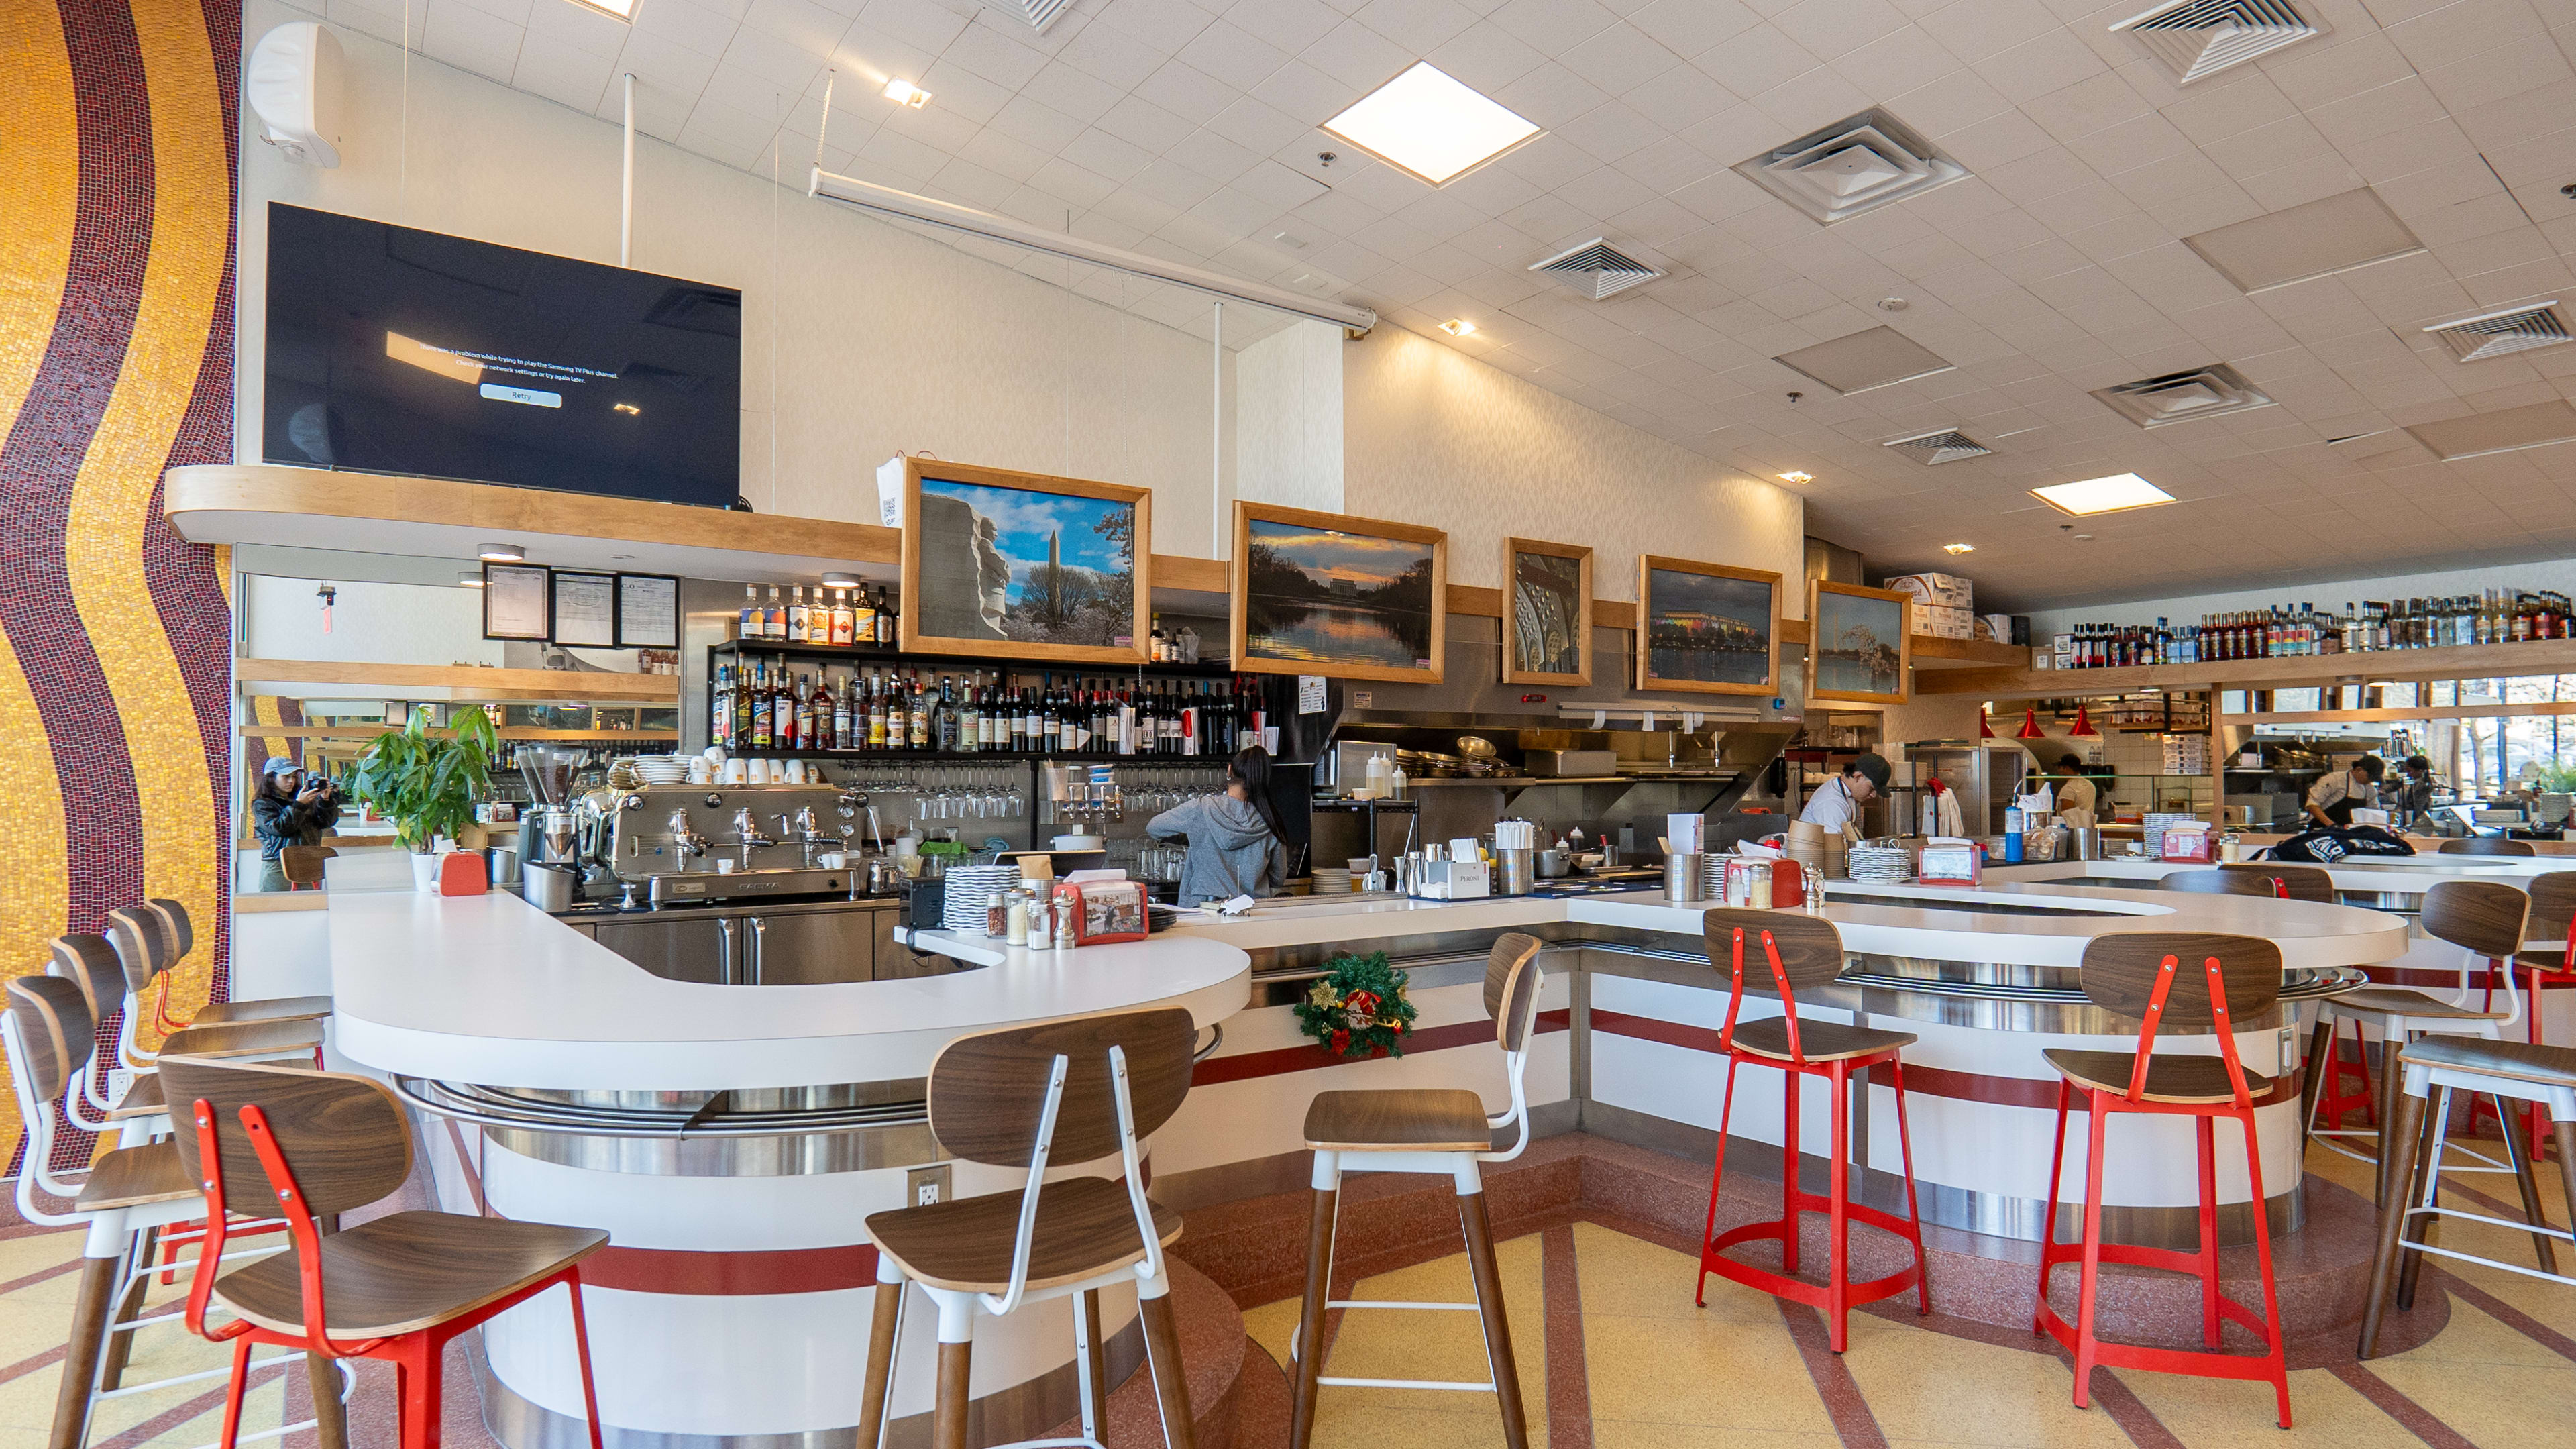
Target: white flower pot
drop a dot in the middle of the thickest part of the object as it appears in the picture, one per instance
(424, 871)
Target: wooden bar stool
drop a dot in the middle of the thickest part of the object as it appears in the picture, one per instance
(49, 1037)
(2194, 982)
(2487, 845)
(2553, 919)
(2524, 1071)
(1805, 952)
(2485, 919)
(1443, 1132)
(2256, 878)
(154, 938)
(2321, 1088)
(395, 1288)
(1070, 1091)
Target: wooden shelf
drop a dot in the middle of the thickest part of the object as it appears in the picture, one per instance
(2404, 716)
(452, 682)
(2471, 661)
(510, 732)
(875, 655)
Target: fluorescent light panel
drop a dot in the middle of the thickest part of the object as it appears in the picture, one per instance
(622, 9)
(2102, 495)
(1431, 126)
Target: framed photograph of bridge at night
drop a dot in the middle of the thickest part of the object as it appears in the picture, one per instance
(1859, 644)
(1547, 612)
(1329, 594)
(1024, 565)
(1707, 628)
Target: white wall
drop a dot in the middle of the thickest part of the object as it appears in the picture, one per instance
(2558, 575)
(883, 340)
(1288, 418)
(370, 623)
(1433, 436)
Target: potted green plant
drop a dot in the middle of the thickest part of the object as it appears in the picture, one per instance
(427, 781)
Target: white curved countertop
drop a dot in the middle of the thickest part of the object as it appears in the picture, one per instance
(2308, 934)
(2391, 874)
(488, 989)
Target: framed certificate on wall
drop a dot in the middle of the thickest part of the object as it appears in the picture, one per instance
(648, 611)
(585, 610)
(516, 598)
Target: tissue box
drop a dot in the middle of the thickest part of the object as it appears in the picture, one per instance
(1943, 623)
(1961, 865)
(1939, 591)
(2186, 840)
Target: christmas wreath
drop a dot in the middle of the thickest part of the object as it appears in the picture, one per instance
(1359, 1008)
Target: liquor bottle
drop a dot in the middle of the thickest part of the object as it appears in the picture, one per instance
(740, 700)
(846, 716)
(773, 619)
(876, 714)
(797, 626)
(1157, 648)
(898, 714)
(720, 706)
(970, 715)
(885, 619)
(863, 619)
(763, 724)
(753, 624)
(844, 618)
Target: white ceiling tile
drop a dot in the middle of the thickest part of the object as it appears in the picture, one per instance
(1620, 57)
(1976, 29)
(1829, 28)
(987, 51)
(1140, 122)
(1116, 57)
(1356, 55)
(1419, 26)
(1291, 25)
(1554, 26)
(1036, 126)
(1232, 55)
(1098, 151)
(470, 39)
(924, 23)
(562, 73)
(1211, 155)
(1691, 28)
(1900, 61)
(2497, 74)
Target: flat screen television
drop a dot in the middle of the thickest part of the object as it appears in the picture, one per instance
(399, 351)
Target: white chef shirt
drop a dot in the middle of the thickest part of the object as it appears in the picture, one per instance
(2338, 786)
(2076, 794)
(1831, 807)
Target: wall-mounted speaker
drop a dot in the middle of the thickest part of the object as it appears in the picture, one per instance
(293, 86)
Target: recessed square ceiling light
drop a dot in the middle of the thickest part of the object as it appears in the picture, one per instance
(1797, 477)
(1430, 126)
(905, 93)
(2301, 243)
(622, 9)
(1459, 327)
(2102, 495)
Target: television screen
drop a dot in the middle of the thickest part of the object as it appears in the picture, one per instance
(399, 351)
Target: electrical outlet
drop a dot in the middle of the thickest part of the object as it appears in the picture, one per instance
(120, 1080)
(2289, 1050)
(923, 1186)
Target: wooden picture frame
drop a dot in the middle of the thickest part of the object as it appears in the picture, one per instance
(958, 616)
(577, 628)
(1721, 609)
(1525, 630)
(1299, 545)
(525, 596)
(1865, 609)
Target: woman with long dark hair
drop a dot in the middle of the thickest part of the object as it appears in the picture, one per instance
(1236, 847)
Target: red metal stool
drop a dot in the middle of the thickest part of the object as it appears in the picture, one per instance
(1805, 951)
(2553, 918)
(2238, 978)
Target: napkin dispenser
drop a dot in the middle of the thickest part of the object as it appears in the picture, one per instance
(1454, 880)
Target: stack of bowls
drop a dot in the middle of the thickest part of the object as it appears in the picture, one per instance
(1332, 880)
(662, 769)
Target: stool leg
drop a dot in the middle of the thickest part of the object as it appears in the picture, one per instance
(2424, 1190)
(1913, 1213)
(1090, 1363)
(2263, 1256)
(236, 1388)
(2084, 1344)
(421, 1375)
(2048, 1222)
(330, 1416)
(948, 1412)
(885, 1328)
(2322, 1068)
(1716, 1182)
(2391, 1087)
(1163, 1357)
(1310, 1322)
(2206, 1133)
(129, 1305)
(2565, 1132)
(2361, 1064)
(1838, 1218)
(1489, 1304)
(2520, 1153)
(2403, 1132)
(81, 1356)
(581, 1355)
(1789, 1190)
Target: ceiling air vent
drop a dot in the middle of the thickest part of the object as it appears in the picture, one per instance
(1949, 445)
(1854, 165)
(1597, 269)
(2182, 397)
(2196, 39)
(2493, 334)
(1036, 14)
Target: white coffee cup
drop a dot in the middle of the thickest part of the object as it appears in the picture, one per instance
(735, 772)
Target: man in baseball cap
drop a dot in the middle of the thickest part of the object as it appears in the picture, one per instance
(1836, 804)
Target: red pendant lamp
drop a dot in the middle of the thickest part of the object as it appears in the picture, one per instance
(2084, 725)
(1985, 725)
(2030, 729)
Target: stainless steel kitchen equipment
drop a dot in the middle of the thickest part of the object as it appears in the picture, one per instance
(1547, 762)
(1981, 772)
(776, 943)
(692, 830)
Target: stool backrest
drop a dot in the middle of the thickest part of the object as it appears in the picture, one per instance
(174, 919)
(302, 864)
(2297, 882)
(2485, 916)
(1078, 1089)
(2126, 973)
(2487, 845)
(2553, 909)
(345, 1136)
(1512, 980)
(136, 935)
(90, 963)
(2219, 882)
(56, 1033)
(1810, 948)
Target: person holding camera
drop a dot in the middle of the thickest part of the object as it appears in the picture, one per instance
(289, 808)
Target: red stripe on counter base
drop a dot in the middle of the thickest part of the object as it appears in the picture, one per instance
(733, 1274)
(1248, 1065)
(2039, 1092)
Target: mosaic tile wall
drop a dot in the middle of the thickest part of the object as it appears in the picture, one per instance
(117, 178)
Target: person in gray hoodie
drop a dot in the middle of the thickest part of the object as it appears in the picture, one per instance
(1236, 848)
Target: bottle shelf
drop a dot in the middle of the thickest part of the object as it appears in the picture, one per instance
(884, 655)
(995, 758)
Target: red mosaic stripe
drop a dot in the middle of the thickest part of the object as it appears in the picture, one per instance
(731, 1274)
(1314, 1057)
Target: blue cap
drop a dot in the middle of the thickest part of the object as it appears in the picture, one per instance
(279, 765)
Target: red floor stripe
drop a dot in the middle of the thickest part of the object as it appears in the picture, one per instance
(1569, 1383)
(1845, 1404)
(1312, 1056)
(26, 1366)
(2418, 1420)
(40, 1275)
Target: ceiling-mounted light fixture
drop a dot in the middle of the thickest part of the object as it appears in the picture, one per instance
(501, 553)
(1795, 477)
(469, 578)
(1958, 548)
(905, 93)
(2102, 495)
(840, 581)
(622, 9)
(2083, 724)
(1459, 327)
(1985, 725)
(2030, 729)
(1431, 126)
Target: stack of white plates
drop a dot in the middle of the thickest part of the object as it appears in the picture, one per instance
(662, 769)
(964, 904)
(2155, 823)
(1712, 875)
(1881, 864)
(1332, 880)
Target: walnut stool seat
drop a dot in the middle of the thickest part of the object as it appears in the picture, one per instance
(2529, 1072)
(405, 1272)
(1446, 1133)
(274, 1008)
(1069, 1092)
(1818, 1041)
(2169, 1078)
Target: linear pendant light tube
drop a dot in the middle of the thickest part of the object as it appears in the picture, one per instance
(904, 205)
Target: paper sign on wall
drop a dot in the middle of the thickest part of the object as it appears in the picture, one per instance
(890, 491)
(1310, 694)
